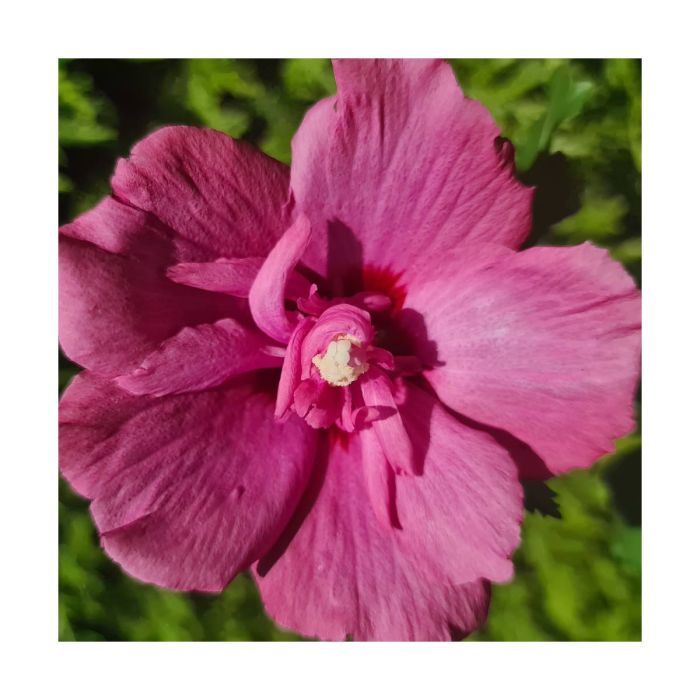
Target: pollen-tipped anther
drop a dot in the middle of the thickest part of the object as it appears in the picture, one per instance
(343, 362)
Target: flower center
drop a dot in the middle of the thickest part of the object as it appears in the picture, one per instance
(343, 362)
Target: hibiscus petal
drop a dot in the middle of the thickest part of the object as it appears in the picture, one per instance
(399, 168)
(223, 195)
(186, 490)
(119, 228)
(319, 403)
(463, 512)
(116, 307)
(201, 357)
(380, 477)
(340, 571)
(465, 509)
(543, 344)
(234, 276)
(268, 290)
(377, 392)
(291, 367)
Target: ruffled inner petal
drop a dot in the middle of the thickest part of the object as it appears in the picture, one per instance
(232, 276)
(389, 428)
(202, 357)
(268, 290)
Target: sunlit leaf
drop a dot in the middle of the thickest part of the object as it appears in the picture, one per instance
(598, 219)
(308, 79)
(627, 548)
(566, 98)
(84, 118)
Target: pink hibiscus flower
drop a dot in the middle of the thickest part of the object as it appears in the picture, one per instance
(336, 375)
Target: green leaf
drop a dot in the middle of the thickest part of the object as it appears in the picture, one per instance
(598, 219)
(566, 98)
(217, 91)
(567, 95)
(570, 579)
(629, 252)
(64, 184)
(635, 131)
(308, 79)
(627, 548)
(84, 118)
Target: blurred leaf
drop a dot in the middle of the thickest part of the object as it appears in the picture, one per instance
(635, 131)
(599, 218)
(628, 252)
(217, 90)
(73, 132)
(627, 548)
(308, 79)
(64, 184)
(567, 97)
(282, 118)
(568, 584)
(624, 73)
(84, 118)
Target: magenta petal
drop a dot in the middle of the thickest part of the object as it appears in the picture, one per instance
(402, 167)
(465, 509)
(268, 290)
(379, 475)
(543, 344)
(119, 228)
(462, 514)
(306, 394)
(291, 367)
(115, 303)
(185, 196)
(377, 392)
(222, 195)
(186, 490)
(346, 421)
(341, 571)
(201, 357)
(319, 403)
(232, 276)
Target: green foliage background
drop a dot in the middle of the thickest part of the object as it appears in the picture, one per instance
(576, 126)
